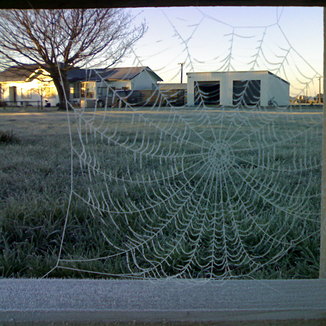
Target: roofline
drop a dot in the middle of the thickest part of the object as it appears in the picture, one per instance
(148, 69)
(29, 69)
(240, 71)
(153, 72)
(285, 81)
(144, 68)
(32, 71)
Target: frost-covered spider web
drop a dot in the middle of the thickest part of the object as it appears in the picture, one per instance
(205, 191)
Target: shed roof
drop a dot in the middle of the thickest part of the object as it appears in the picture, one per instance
(240, 72)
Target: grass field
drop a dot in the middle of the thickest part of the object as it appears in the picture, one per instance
(35, 169)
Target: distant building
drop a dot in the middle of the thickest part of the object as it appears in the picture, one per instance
(26, 85)
(171, 86)
(176, 93)
(237, 88)
(89, 86)
(31, 85)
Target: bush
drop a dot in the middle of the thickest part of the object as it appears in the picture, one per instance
(8, 137)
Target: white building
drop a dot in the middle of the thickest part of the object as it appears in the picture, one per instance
(28, 85)
(237, 88)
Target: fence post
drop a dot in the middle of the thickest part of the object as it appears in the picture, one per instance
(322, 267)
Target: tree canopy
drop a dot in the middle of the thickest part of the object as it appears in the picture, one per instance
(59, 40)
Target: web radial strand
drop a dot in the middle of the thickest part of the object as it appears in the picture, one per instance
(164, 190)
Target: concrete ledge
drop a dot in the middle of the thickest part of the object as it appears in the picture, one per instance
(121, 302)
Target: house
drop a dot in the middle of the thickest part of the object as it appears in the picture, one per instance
(30, 85)
(237, 89)
(101, 85)
(26, 85)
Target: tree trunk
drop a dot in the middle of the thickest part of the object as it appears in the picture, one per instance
(62, 85)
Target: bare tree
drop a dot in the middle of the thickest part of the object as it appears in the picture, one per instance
(59, 40)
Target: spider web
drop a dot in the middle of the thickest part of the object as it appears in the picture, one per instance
(203, 191)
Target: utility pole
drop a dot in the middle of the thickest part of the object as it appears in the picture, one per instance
(319, 93)
(181, 72)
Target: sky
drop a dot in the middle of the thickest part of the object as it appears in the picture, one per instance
(288, 41)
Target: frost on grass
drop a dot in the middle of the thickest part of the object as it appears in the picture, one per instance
(197, 194)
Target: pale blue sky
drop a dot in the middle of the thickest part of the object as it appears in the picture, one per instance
(288, 41)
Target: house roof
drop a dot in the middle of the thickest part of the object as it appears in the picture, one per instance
(18, 73)
(127, 73)
(22, 73)
(78, 74)
(109, 74)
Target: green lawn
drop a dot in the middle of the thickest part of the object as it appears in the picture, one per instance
(184, 190)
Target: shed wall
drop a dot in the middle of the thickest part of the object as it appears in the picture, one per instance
(278, 90)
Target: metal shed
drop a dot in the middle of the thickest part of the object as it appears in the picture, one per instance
(237, 88)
